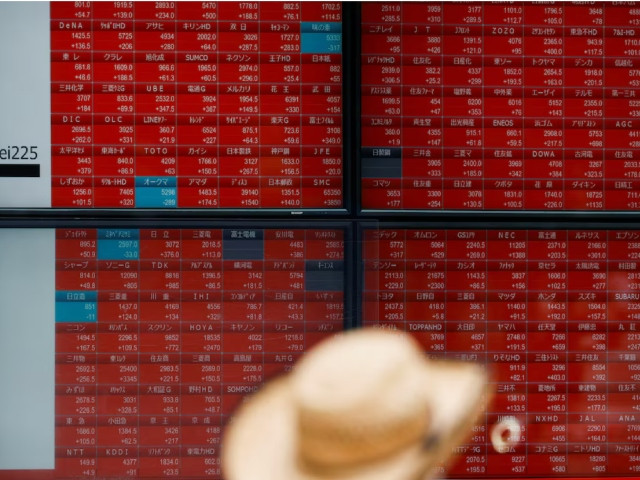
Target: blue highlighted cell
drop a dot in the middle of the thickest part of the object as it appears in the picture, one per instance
(324, 275)
(156, 182)
(76, 296)
(156, 192)
(76, 311)
(118, 233)
(243, 250)
(323, 281)
(118, 244)
(156, 197)
(321, 27)
(322, 43)
(124, 249)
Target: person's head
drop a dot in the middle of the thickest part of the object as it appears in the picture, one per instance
(363, 405)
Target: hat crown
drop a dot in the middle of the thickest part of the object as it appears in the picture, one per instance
(360, 397)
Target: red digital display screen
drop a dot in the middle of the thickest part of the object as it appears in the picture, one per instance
(363, 109)
(500, 106)
(161, 333)
(553, 314)
(196, 105)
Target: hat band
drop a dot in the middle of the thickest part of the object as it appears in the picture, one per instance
(326, 445)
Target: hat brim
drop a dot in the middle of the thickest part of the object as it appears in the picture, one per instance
(260, 442)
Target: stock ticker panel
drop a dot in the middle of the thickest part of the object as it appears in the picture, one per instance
(196, 105)
(161, 333)
(554, 315)
(500, 106)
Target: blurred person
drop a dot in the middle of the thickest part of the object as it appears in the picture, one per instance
(366, 404)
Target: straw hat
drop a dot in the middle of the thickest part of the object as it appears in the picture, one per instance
(363, 405)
